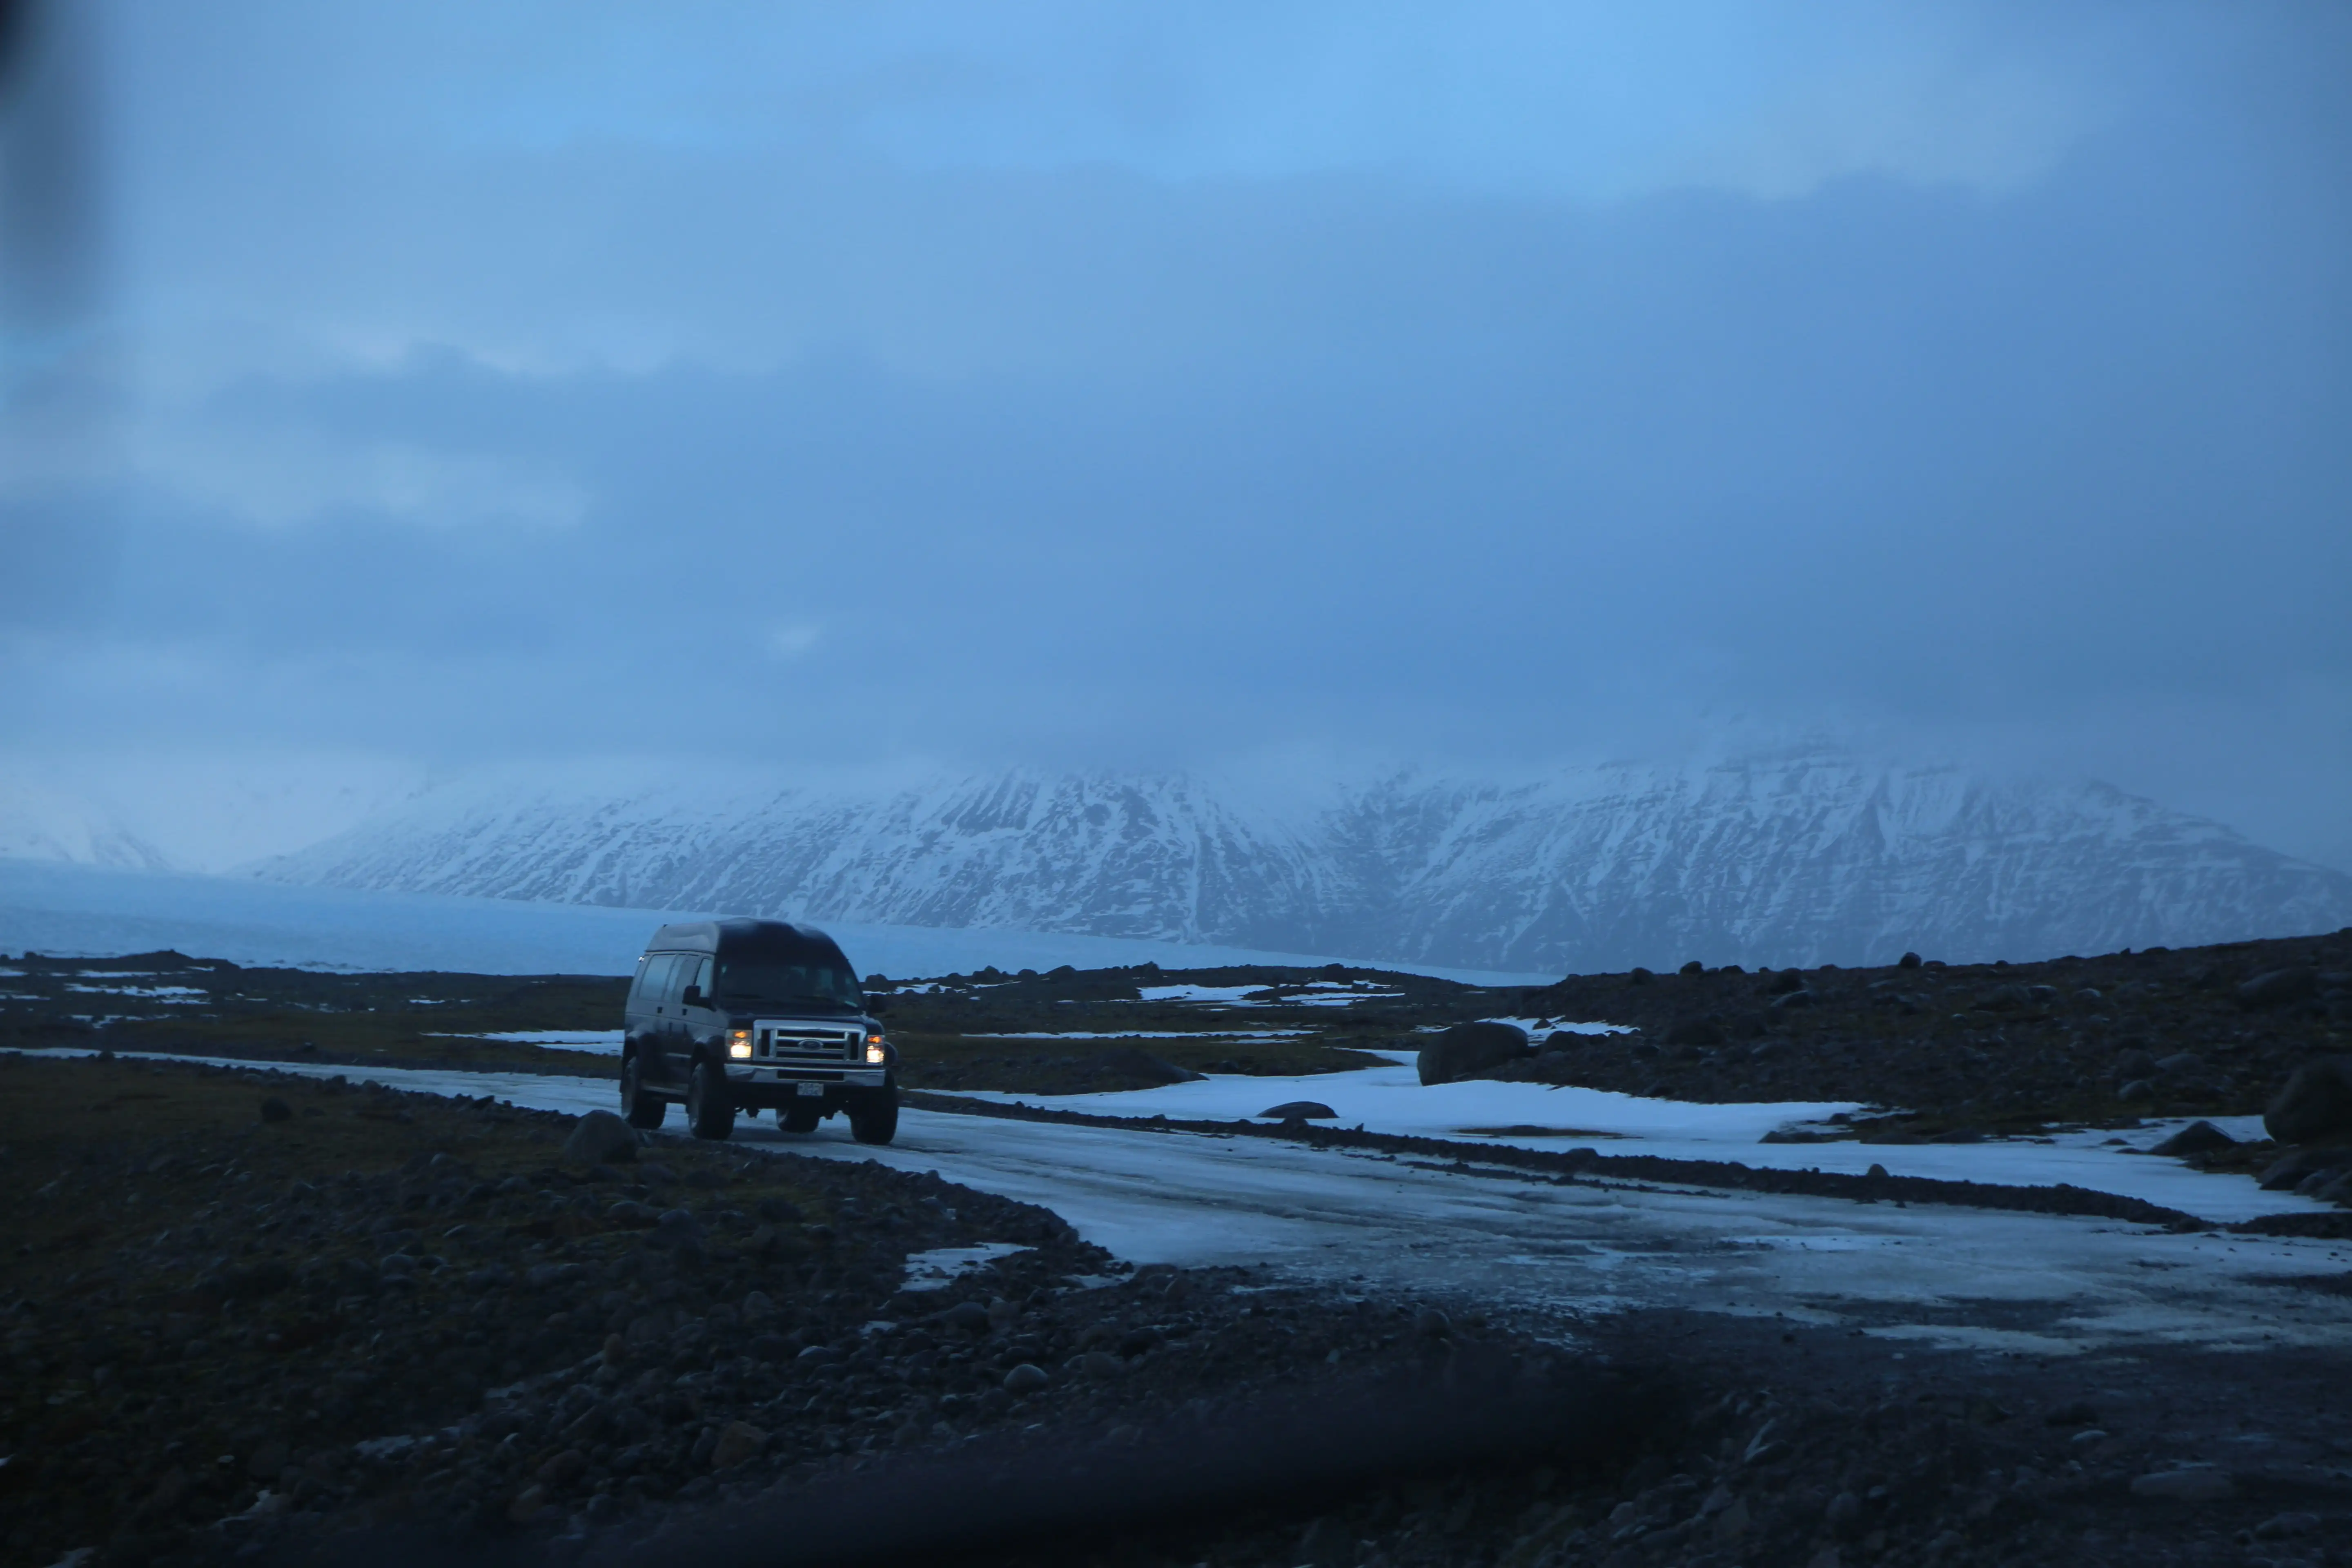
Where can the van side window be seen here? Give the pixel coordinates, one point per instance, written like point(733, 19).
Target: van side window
point(700, 974)
point(653, 978)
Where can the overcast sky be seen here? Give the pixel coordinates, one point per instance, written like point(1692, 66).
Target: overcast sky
point(1149, 385)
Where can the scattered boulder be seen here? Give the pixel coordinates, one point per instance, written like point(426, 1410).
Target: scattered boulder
point(2196, 1137)
point(1300, 1111)
point(2290, 1170)
point(2134, 1064)
point(1693, 967)
point(2314, 1102)
point(1128, 1062)
point(2180, 1063)
point(1908, 961)
point(1026, 1378)
point(601, 1138)
point(2278, 988)
point(2197, 1484)
point(1468, 1050)
point(1789, 1001)
point(273, 1109)
point(738, 1441)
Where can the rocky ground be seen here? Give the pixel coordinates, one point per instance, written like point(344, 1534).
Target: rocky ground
point(250, 1316)
point(1991, 1047)
point(1988, 1048)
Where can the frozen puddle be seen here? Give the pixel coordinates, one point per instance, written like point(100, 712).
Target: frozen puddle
point(942, 1266)
point(606, 1042)
point(2034, 1283)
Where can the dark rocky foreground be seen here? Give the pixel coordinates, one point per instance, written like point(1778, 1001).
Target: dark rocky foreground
point(258, 1318)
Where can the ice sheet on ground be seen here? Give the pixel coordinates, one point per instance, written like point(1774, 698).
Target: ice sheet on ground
point(2063, 1284)
point(1539, 1116)
point(56, 908)
point(942, 1266)
point(174, 994)
point(1320, 994)
point(1244, 1035)
point(605, 1041)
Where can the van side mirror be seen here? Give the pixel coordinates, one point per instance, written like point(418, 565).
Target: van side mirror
point(693, 997)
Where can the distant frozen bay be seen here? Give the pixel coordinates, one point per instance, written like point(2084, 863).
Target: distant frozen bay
point(65, 910)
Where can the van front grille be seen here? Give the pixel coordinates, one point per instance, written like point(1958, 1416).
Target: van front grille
point(802, 1043)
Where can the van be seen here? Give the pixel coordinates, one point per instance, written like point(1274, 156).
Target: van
point(744, 1014)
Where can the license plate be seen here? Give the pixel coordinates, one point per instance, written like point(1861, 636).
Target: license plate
point(809, 1091)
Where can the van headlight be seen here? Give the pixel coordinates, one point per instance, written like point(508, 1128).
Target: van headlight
point(738, 1043)
point(876, 1053)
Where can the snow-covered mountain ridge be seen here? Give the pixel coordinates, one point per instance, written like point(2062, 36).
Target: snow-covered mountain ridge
point(1803, 858)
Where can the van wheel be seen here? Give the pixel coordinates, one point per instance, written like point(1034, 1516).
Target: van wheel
point(709, 1111)
point(640, 1108)
point(801, 1117)
point(873, 1116)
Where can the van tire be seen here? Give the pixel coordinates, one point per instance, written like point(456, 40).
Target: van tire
point(639, 1107)
point(709, 1109)
point(800, 1116)
point(873, 1116)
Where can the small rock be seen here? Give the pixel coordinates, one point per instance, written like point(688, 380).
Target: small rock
point(2087, 1436)
point(2189, 1485)
point(2180, 1064)
point(739, 1441)
point(2196, 1138)
point(275, 1110)
point(1430, 1324)
point(1300, 1111)
point(2079, 1414)
point(1877, 1173)
point(2134, 1064)
point(2278, 987)
point(527, 1504)
point(2314, 1102)
point(601, 1138)
point(2138, 1089)
point(1467, 1049)
point(1908, 961)
point(2285, 1526)
point(2290, 1170)
point(971, 1317)
point(1844, 1510)
point(267, 1461)
point(1791, 1001)
point(1026, 1378)
point(561, 1469)
point(1094, 1363)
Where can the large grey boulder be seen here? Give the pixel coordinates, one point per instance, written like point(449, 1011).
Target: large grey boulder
point(2278, 987)
point(1466, 1051)
point(601, 1138)
point(2315, 1103)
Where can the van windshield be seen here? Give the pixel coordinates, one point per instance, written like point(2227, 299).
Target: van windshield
point(767, 980)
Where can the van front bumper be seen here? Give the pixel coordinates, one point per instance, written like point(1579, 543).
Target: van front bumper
point(763, 1085)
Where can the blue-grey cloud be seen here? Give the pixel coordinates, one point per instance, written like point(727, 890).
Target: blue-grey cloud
point(1039, 381)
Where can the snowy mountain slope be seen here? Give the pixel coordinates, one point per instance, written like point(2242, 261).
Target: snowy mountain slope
point(1806, 858)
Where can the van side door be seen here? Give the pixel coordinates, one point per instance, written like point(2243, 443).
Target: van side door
point(698, 1024)
point(650, 1018)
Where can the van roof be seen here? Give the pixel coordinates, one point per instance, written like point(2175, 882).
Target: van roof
point(780, 939)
